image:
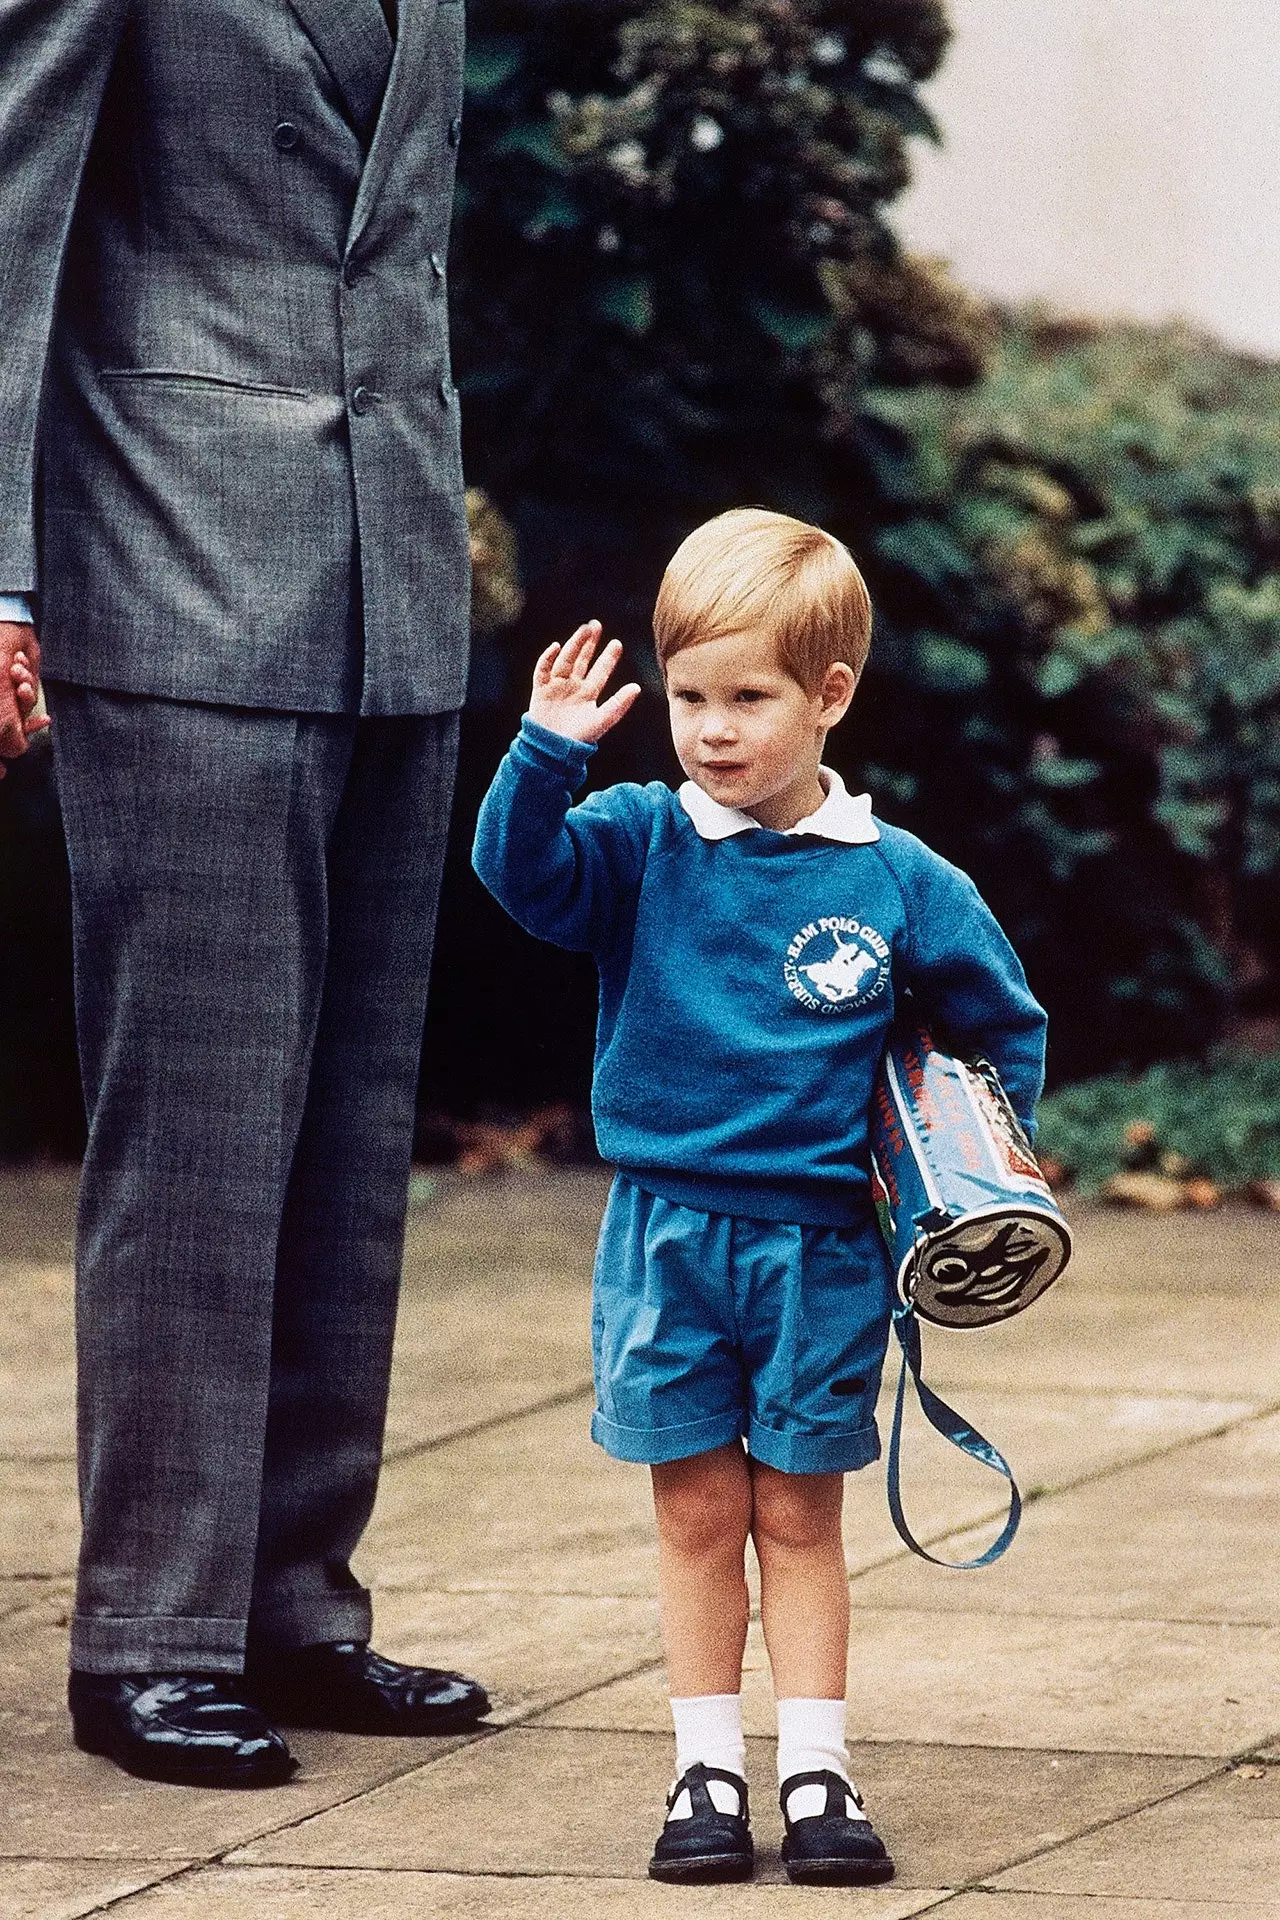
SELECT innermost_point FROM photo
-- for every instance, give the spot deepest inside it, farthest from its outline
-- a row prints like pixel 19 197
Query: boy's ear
pixel 837 691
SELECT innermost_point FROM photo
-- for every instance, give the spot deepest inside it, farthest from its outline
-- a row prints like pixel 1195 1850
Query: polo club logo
pixel 836 963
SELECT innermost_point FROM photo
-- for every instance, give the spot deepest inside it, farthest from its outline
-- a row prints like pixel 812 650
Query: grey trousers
pixel 254 902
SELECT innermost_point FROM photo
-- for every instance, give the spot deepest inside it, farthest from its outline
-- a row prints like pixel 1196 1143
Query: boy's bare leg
pixel 804 1585
pixel 703 1507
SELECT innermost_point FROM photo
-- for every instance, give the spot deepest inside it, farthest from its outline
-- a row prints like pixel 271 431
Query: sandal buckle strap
pixel 838 1791
pixel 694 1782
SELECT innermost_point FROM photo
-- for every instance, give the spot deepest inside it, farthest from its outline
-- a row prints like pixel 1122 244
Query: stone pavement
pixel 1090 1728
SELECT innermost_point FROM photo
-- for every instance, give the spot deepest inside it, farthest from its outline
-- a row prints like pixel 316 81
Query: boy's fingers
pixel 544 662
pixel 596 680
pixel 619 703
pixel 586 653
pixel 585 650
pixel 572 647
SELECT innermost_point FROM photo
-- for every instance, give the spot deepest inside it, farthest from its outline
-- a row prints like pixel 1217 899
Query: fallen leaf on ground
pixel 1152 1191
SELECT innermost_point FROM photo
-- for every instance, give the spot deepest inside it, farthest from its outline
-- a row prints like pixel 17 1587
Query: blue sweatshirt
pixel 747 983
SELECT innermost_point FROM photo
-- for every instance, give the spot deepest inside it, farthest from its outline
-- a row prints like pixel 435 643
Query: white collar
pixel 843 816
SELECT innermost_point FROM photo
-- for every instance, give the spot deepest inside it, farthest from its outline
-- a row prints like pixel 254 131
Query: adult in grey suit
pixel 231 497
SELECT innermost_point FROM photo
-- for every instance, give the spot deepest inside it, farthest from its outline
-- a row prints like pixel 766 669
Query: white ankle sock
pixel 709 1728
pixel 811 1740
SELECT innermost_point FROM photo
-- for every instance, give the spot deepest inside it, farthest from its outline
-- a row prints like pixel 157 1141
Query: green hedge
pixel 1220 1120
pixel 1080 668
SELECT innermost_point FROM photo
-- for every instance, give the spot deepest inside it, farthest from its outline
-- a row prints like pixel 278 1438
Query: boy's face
pixel 747 733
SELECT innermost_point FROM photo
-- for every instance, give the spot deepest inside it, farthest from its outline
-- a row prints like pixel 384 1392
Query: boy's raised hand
pixel 567 687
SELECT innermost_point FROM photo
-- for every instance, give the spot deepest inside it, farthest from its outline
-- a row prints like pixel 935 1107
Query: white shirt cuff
pixel 15 607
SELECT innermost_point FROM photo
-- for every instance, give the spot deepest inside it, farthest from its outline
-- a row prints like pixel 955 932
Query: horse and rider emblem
pixel 836 962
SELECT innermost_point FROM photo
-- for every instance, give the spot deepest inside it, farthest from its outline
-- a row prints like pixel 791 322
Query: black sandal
pixel 709 1845
pixel 831 1848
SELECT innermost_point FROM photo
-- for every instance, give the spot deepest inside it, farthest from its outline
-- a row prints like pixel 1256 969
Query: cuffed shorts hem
pixel 122 1643
pixel 655 1446
pixel 814 1452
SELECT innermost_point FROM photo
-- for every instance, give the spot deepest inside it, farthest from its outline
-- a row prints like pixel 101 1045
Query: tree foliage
pixel 672 272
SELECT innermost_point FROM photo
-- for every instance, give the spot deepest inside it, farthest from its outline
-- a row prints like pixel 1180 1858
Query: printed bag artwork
pixel 973 1231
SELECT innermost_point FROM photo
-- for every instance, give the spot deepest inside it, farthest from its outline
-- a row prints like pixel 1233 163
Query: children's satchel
pixel 973 1231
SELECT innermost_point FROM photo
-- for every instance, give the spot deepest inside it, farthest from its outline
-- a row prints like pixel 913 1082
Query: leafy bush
pixel 1079 691
pixel 1221 1120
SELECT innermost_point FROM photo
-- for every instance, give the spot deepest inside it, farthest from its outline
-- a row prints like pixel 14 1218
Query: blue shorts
pixel 707 1329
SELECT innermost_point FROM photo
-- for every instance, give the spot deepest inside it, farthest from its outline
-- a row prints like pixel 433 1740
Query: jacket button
pixel 455 132
pixel 362 400
pixel 437 266
pixel 286 136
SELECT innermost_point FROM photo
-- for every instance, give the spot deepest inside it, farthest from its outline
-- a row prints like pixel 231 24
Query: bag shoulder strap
pixel 953 1428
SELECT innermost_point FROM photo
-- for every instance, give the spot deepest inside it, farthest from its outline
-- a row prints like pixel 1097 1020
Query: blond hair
pixel 751 570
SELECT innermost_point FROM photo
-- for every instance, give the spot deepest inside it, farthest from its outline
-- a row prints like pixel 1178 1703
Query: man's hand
pixel 567 688
pixel 19 690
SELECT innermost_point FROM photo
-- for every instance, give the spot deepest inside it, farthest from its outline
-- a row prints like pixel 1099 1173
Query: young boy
pixel 753 932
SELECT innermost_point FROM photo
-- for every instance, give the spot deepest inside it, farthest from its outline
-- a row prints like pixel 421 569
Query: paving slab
pixel 1099 1340
pixel 249 1893
pixel 1126 1649
pixel 486 1512
pixel 37 1363
pixel 1190 1536
pixel 39 1518
pixel 544 1216
pixel 495 1309
pixel 532 1506
pixel 964 1678
pixel 1235 1251
pixel 1218 1842
pixel 1051 1440
pixel 1073 1906
pixel 477 1354
pixel 529 1649
pixel 19 1596
pixel 947 1816
pixel 65 1889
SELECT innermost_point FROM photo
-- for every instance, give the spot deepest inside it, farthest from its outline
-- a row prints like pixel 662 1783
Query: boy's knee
pixel 703 1505
pixel 795 1512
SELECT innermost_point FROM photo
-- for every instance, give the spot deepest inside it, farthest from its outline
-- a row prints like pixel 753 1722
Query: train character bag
pixel 974 1233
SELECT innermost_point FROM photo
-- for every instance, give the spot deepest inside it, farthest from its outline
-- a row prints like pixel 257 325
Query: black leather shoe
pixel 191 1729
pixel 832 1848
pixel 348 1688
pixel 706 1845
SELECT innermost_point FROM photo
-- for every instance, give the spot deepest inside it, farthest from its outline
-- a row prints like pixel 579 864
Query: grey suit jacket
pixel 226 411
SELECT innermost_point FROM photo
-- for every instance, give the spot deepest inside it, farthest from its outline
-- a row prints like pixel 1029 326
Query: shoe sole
pixel 143 1768
pixel 839 1873
pixel 703 1869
